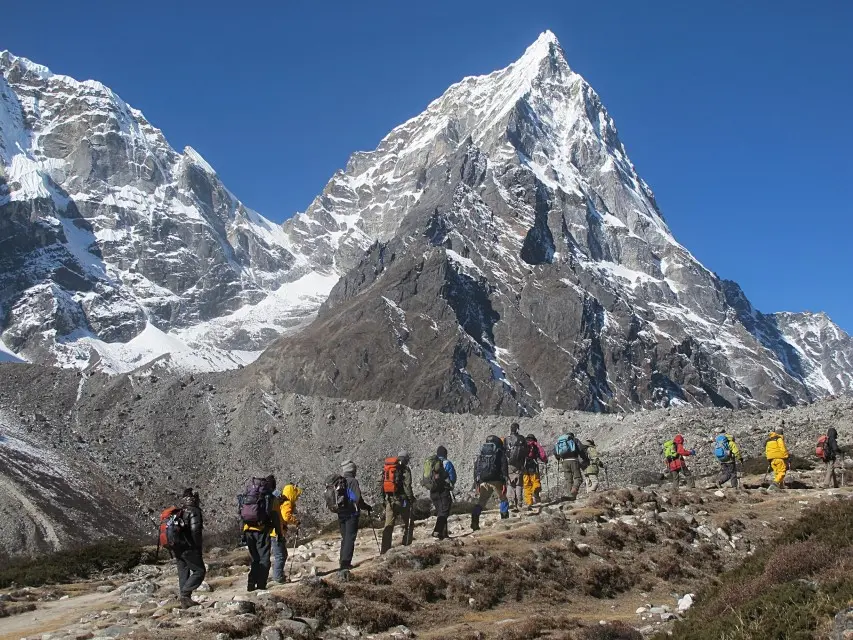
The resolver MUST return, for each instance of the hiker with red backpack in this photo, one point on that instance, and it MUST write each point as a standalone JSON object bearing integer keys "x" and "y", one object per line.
{"x": 182, "y": 533}
{"x": 516, "y": 453}
{"x": 257, "y": 511}
{"x": 439, "y": 478}
{"x": 395, "y": 486}
{"x": 490, "y": 476}
{"x": 675, "y": 454}
{"x": 573, "y": 459}
{"x": 532, "y": 479}
{"x": 343, "y": 497}
{"x": 828, "y": 451}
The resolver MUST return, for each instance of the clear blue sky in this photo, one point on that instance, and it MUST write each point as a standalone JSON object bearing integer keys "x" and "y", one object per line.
{"x": 738, "y": 114}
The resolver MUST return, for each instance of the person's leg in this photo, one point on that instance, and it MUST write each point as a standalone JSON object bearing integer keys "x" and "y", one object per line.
{"x": 443, "y": 504}
{"x": 575, "y": 469}
{"x": 349, "y": 531}
{"x": 196, "y": 569}
{"x": 829, "y": 476}
{"x": 779, "y": 470}
{"x": 484, "y": 493}
{"x": 408, "y": 524}
{"x": 279, "y": 551}
{"x": 593, "y": 482}
{"x": 264, "y": 552}
{"x": 675, "y": 475}
{"x": 254, "y": 566}
{"x": 392, "y": 510}
{"x": 183, "y": 571}
{"x": 503, "y": 503}
{"x": 691, "y": 479}
{"x": 565, "y": 472}
{"x": 537, "y": 487}
{"x": 726, "y": 469}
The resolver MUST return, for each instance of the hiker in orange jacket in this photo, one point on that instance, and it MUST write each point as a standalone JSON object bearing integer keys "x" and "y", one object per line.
{"x": 283, "y": 508}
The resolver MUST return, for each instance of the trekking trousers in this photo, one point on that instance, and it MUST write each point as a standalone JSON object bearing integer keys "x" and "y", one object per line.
{"x": 279, "y": 557}
{"x": 515, "y": 490}
{"x": 442, "y": 501}
{"x": 191, "y": 570}
{"x": 572, "y": 476}
{"x": 829, "y": 479}
{"x": 485, "y": 492}
{"x": 676, "y": 477}
{"x": 592, "y": 482}
{"x": 728, "y": 471}
{"x": 532, "y": 487}
{"x": 397, "y": 508}
{"x": 780, "y": 470}
{"x": 349, "y": 530}
{"x": 260, "y": 545}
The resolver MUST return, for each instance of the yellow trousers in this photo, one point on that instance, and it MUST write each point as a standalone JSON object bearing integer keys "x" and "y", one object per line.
{"x": 532, "y": 487}
{"x": 779, "y": 470}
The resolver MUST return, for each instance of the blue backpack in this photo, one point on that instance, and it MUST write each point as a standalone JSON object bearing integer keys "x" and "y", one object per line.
{"x": 721, "y": 447}
{"x": 566, "y": 445}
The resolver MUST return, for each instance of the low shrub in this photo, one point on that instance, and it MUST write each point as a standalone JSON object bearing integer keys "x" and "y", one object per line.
{"x": 111, "y": 556}
{"x": 604, "y": 580}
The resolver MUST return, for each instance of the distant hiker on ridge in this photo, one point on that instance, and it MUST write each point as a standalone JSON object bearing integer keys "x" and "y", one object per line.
{"x": 674, "y": 453}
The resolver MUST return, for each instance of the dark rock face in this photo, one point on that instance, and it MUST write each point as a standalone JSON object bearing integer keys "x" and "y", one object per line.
{"x": 533, "y": 270}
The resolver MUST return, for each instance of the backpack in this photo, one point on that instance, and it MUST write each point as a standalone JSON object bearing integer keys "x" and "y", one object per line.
{"x": 335, "y": 493}
{"x": 489, "y": 463}
{"x": 516, "y": 447}
{"x": 566, "y": 445}
{"x": 392, "y": 477}
{"x": 171, "y": 527}
{"x": 434, "y": 474}
{"x": 670, "y": 452}
{"x": 721, "y": 448}
{"x": 822, "y": 448}
{"x": 254, "y": 503}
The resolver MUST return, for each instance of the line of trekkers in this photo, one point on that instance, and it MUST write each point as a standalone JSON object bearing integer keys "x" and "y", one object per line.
{"x": 508, "y": 468}
{"x": 728, "y": 454}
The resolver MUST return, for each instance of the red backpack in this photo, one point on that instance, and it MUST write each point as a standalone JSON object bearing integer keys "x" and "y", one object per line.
{"x": 171, "y": 527}
{"x": 822, "y": 448}
{"x": 392, "y": 477}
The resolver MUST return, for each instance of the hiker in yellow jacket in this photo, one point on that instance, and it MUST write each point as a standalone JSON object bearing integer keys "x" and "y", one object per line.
{"x": 283, "y": 508}
{"x": 777, "y": 454}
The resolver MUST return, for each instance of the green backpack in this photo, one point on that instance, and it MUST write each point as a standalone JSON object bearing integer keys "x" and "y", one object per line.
{"x": 434, "y": 474}
{"x": 670, "y": 452}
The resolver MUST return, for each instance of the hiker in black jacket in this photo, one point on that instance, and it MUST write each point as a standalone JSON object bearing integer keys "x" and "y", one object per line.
{"x": 189, "y": 548}
{"x": 833, "y": 452}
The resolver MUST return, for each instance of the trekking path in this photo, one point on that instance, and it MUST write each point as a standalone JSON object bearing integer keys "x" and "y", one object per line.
{"x": 615, "y": 557}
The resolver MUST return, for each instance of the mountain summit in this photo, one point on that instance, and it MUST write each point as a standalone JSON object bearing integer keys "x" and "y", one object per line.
{"x": 517, "y": 261}
{"x": 496, "y": 253}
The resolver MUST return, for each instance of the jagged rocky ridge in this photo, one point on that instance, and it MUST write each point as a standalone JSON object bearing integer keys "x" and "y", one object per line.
{"x": 115, "y": 248}
{"x": 522, "y": 263}
{"x": 497, "y": 253}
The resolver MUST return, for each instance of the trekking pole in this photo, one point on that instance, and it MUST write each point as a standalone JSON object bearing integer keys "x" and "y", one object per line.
{"x": 547, "y": 484}
{"x": 295, "y": 544}
{"x": 606, "y": 477}
{"x": 375, "y": 537}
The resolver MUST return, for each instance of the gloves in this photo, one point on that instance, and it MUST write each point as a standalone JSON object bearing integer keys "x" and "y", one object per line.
{"x": 693, "y": 452}
{"x": 405, "y": 503}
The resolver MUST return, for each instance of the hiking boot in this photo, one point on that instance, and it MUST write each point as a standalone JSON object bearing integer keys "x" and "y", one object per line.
{"x": 504, "y": 515}
{"x": 436, "y": 535}
{"x": 343, "y": 575}
{"x": 187, "y": 602}
{"x": 475, "y": 522}
{"x": 251, "y": 587}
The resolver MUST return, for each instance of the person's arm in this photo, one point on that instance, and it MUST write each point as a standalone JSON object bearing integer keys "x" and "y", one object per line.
{"x": 407, "y": 485}
{"x": 196, "y": 528}
{"x": 505, "y": 468}
{"x": 542, "y": 456}
{"x": 584, "y": 454}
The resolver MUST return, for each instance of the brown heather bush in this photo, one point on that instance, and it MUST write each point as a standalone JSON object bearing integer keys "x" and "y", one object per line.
{"x": 605, "y": 580}
{"x": 611, "y": 631}
{"x": 789, "y": 589}
{"x": 536, "y": 626}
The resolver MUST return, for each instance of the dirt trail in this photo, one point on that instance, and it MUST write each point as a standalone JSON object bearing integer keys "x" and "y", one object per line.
{"x": 52, "y": 616}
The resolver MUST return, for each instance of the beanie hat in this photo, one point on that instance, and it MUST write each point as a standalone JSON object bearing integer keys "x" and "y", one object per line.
{"x": 403, "y": 455}
{"x": 441, "y": 452}
{"x": 188, "y": 493}
{"x": 348, "y": 466}
{"x": 514, "y": 427}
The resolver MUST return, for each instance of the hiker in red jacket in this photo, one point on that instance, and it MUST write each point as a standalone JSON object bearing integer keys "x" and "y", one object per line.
{"x": 678, "y": 466}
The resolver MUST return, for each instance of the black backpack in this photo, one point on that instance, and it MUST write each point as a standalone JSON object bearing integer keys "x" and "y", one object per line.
{"x": 335, "y": 493}
{"x": 516, "y": 447}
{"x": 489, "y": 467}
